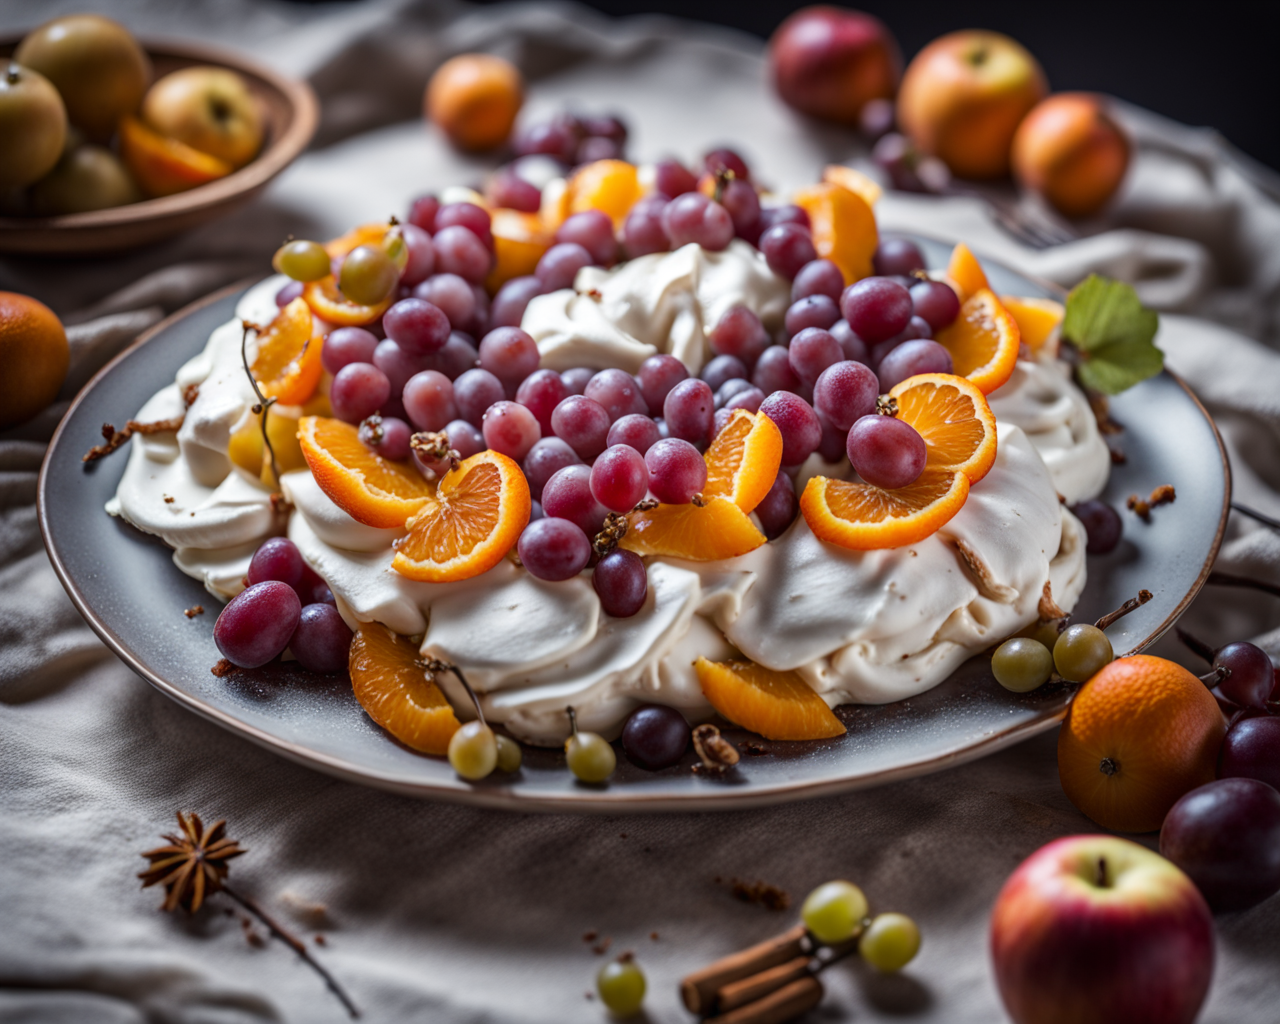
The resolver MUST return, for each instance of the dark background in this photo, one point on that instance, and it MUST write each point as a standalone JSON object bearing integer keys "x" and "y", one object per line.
{"x": 1215, "y": 63}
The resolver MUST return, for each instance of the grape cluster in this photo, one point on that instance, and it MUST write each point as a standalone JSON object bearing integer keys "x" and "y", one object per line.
{"x": 572, "y": 139}
{"x": 836, "y": 912}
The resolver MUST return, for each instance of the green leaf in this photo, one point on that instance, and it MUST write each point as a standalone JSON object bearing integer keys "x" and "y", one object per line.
{"x": 1113, "y": 331}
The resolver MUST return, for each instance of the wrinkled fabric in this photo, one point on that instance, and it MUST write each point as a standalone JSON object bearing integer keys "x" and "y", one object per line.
{"x": 451, "y": 914}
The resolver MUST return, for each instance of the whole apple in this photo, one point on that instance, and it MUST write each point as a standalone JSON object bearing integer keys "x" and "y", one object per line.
{"x": 1072, "y": 152}
{"x": 963, "y": 97}
{"x": 209, "y": 109}
{"x": 830, "y": 61}
{"x": 1101, "y": 930}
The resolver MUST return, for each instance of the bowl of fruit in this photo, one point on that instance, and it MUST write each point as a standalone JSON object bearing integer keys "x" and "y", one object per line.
{"x": 121, "y": 142}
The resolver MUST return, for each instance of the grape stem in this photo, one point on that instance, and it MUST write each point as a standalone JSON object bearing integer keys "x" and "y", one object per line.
{"x": 436, "y": 665}
{"x": 573, "y": 720}
{"x": 1111, "y": 618}
{"x": 1223, "y": 579}
{"x": 264, "y": 403}
{"x": 1212, "y": 679}
{"x": 1196, "y": 645}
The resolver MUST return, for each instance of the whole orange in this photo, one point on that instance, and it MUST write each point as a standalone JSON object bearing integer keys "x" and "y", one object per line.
{"x": 1139, "y": 734}
{"x": 1071, "y": 151}
{"x": 35, "y": 355}
{"x": 474, "y": 98}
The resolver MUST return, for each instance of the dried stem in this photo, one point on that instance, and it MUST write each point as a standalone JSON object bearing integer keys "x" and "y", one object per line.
{"x": 1212, "y": 679}
{"x": 298, "y": 946}
{"x": 264, "y": 403}
{"x": 435, "y": 665}
{"x": 1195, "y": 645}
{"x": 1134, "y": 602}
{"x": 1255, "y": 514}
{"x": 1223, "y": 579}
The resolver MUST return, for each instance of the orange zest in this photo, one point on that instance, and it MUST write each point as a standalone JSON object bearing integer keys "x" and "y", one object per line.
{"x": 1037, "y": 318}
{"x": 612, "y": 186}
{"x": 718, "y": 529}
{"x": 743, "y": 460}
{"x": 959, "y": 432}
{"x": 844, "y": 228}
{"x": 965, "y": 272}
{"x": 519, "y": 240}
{"x": 777, "y": 705}
{"x": 164, "y": 166}
{"x": 983, "y": 341}
{"x": 396, "y": 693}
{"x": 372, "y": 490}
{"x": 287, "y": 364}
{"x": 331, "y": 306}
{"x": 468, "y": 526}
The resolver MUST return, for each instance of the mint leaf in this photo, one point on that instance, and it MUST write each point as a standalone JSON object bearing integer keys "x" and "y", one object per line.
{"x": 1113, "y": 332}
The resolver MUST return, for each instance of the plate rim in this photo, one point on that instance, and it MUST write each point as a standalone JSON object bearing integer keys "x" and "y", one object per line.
{"x": 579, "y": 799}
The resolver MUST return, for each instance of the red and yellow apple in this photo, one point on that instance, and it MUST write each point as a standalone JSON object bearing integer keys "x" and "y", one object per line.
{"x": 963, "y": 97}
{"x": 1072, "y": 152}
{"x": 829, "y": 61}
{"x": 209, "y": 109}
{"x": 1098, "y": 929}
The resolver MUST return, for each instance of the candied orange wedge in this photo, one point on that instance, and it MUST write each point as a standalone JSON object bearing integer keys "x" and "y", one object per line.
{"x": 965, "y": 272}
{"x": 519, "y": 240}
{"x": 397, "y": 692}
{"x": 777, "y": 705}
{"x": 612, "y": 186}
{"x": 743, "y": 460}
{"x": 164, "y": 166}
{"x": 287, "y": 364}
{"x": 1037, "y": 317}
{"x": 475, "y": 517}
{"x": 844, "y": 228}
{"x": 372, "y": 490}
{"x": 854, "y": 180}
{"x": 718, "y": 529}
{"x": 331, "y": 306}
{"x": 959, "y": 431}
{"x": 983, "y": 341}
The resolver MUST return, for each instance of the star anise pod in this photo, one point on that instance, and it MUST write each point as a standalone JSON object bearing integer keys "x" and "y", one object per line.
{"x": 193, "y": 865}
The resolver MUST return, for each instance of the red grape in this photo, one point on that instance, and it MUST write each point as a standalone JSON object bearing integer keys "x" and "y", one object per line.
{"x": 719, "y": 160}
{"x": 605, "y": 126}
{"x": 422, "y": 213}
{"x": 575, "y": 379}
{"x": 540, "y": 393}
{"x": 428, "y": 399}
{"x": 560, "y": 264}
{"x": 357, "y": 391}
{"x": 818, "y": 277}
{"x": 594, "y": 148}
{"x": 619, "y": 478}
{"x": 812, "y": 350}
{"x": 554, "y": 549}
{"x": 583, "y": 423}
{"x": 618, "y": 392}
{"x": 845, "y": 392}
{"x": 397, "y": 364}
{"x": 731, "y": 387}
{"x": 1102, "y": 525}
{"x": 621, "y": 582}
{"x": 567, "y": 495}
{"x": 468, "y": 215}
{"x": 456, "y": 358}
{"x": 722, "y": 369}
{"x": 510, "y": 354}
{"x": 636, "y": 430}
{"x": 277, "y": 558}
{"x": 740, "y": 199}
{"x": 256, "y": 625}
{"x": 749, "y": 399}
{"x": 642, "y": 231}
{"x": 778, "y": 509}
{"x": 676, "y": 470}
{"x": 459, "y": 251}
{"x": 546, "y": 458}
{"x": 886, "y": 451}
{"x": 510, "y": 429}
{"x": 291, "y": 291}
{"x": 513, "y": 299}
{"x": 694, "y": 218}
{"x": 657, "y": 376}
{"x": 311, "y": 589}
{"x": 798, "y": 424}
{"x": 853, "y": 346}
{"x": 473, "y": 393}
{"x": 422, "y": 255}
{"x": 655, "y": 736}
{"x": 347, "y": 345}
{"x": 787, "y": 214}
{"x": 417, "y": 326}
{"x": 911, "y": 358}
{"x": 689, "y": 410}
{"x": 897, "y": 256}
{"x": 935, "y": 302}
{"x": 787, "y": 248}
{"x": 773, "y": 372}
{"x": 554, "y": 139}
{"x": 390, "y": 439}
{"x": 740, "y": 333}
{"x": 593, "y": 230}
{"x": 1251, "y": 677}
{"x": 876, "y": 308}
{"x": 1251, "y": 750}
{"x": 832, "y": 445}
{"x": 453, "y": 296}
{"x": 465, "y": 438}
{"x": 672, "y": 178}
{"x": 814, "y": 311}
{"x": 508, "y": 190}
{"x": 321, "y": 641}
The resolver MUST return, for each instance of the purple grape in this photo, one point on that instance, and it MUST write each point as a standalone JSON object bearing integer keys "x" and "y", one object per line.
{"x": 749, "y": 399}
{"x": 474, "y": 218}
{"x": 818, "y": 277}
{"x": 721, "y": 420}
{"x": 584, "y": 424}
{"x": 640, "y": 432}
{"x": 567, "y": 495}
{"x": 345, "y": 346}
{"x": 508, "y": 190}
{"x": 832, "y": 445}
{"x": 594, "y": 148}
{"x": 459, "y": 251}
{"x": 655, "y": 736}
{"x": 358, "y": 390}
{"x": 423, "y": 211}
{"x": 389, "y": 436}
{"x": 457, "y": 357}
{"x": 798, "y": 424}
{"x": 721, "y": 160}
{"x": 854, "y": 347}
{"x": 1251, "y": 677}
{"x": 773, "y": 372}
{"x": 917, "y": 327}
{"x": 778, "y": 509}
{"x": 560, "y": 264}
{"x": 621, "y": 582}
{"x": 642, "y": 231}
{"x": 510, "y": 429}
{"x": 897, "y": 257}
{"x": 422, "y": 255}
{"x": 554, "y": 549}
{"x": 882, "y": 349}
{"x": 473, "y": 393}
{"x": 619, "y": 478}
{"x": 618, "y": 392}
{"x": 911, "y": 358}
{"x": 731, "y": 387}
{"x": 887, "y": 452}
{"x": 417, "y": 326}
{"x": 465, "y": 438}
{"x": 689, "y": 410}
{"x": 722, "y": 369}
{"x": 535, "y": 511}
{"x": 676, "y": 470}
{"x": 291, "y": 291}
{"x": 593, "y": 230}
{"x": 815, "y": 311}
{"x": 845, "y": 392}
{"x": 771, "y": 216}
{"x": 606, "y": 127}
{"x": 277, "y": 558}
{"x": 397, "y": 364}
{"x": 812, "y": 351}
{"x": 452, "y": 296}
{"x": 256, "y": 625}
{"x": 575, "y": 379}
{"x": 540, "y": 393}
{"x": 513, "y": 299}
{"x": 787, "y": 248}
{"x": 876, "y": 308}
{"x": 553, "y": 139}
{"x": 311, "y": 589}
{"x": 740, "y": 199}
{"x": 1251, "y": 750}
{"x": 428, "y": 400}
{"x": 321, "y": 641}
{"x": 509, "y": 354}
{"x": 672, "y": 178}
{"x": 936, "y": 303}
{"x": 695, "y": 218}
{"x": 1226, "y": 837}
{"x": 657, "y": 376}
{"x": 739, "y": 333}
{"x": 1102, "y": 525}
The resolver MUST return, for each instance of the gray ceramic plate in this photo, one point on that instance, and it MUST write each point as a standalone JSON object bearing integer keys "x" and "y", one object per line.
{"x": 126, "y": 586}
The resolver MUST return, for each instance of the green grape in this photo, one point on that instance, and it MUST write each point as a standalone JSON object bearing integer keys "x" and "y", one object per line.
{"x": 396, "y": 248}
{"x": 473, "y": 751}
{"x": 890, "y": 942}
{"x": 368, "y": 274}
{"x": 509, "y": 755}
{"x": 1046, "y": 633}
{"x": 833, "y": 911}
{"x": 1081, "y": 652}
{"x": 590, "y": 757}
{"x": 621, "y": 987}
{"x": 1022, "y": 664}
{"x": 302, "y": 261}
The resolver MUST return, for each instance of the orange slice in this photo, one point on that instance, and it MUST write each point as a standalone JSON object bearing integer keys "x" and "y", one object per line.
{"x": 1037, "y": 318}
{"x": 959, "y": 432}
{"x": 372, "y": 490}
{"x": 474, "y": 519}
{"x": 854, "y": 180}
{"x": 965, "y": 272}
{"x": 287, "y": 365}
{"x": 331, "y": 306}
{"x": 519, "y": 240}
{"x": 396, "y": 691}
{"x": 164, "y": 166}
{"x": 612, "y": 186}
{"x": 983, "y": 341}
{"x": 743, "y": 460}
{"x": 777, "y": 705}
{"x": 844, "y": 228}
{"x": 719, "y": 529}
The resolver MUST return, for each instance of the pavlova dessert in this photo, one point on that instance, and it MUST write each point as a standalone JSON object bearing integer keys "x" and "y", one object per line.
{"x": 613, "y": 454}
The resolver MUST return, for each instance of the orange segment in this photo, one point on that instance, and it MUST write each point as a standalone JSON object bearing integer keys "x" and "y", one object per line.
{"x": 287, "y": 365}
{"x": 952, "y": 415}
{"x": 1037, "y": 318}
{"x": 396, "y": 691}
{"x": 854, "y": 180}
{"x": 372, "y": 490}
{"x": 365, "y": 234}
{"x": 519, "y": 240}
{"x": 609, "y": 185}
{"x": 164, "y": 166}
{"x": 743, "y": 460}
{"x": 331, "y": 306}
{"x": 720, "y": 529}
{"x": 777, "y": 705}
{"x": 844, "y": 228}
{"x": 473, "y": 520}
{"x": 965, "y": 272}
{"x": 983, "y": 341}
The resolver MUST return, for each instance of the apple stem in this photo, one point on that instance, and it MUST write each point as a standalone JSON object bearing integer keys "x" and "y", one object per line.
{"x": 1108, "y": 766}
{"x": 1102, "y": 873}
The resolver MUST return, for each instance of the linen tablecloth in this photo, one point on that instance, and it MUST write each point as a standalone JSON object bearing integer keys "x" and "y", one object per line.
{"x": 442, "y": 913}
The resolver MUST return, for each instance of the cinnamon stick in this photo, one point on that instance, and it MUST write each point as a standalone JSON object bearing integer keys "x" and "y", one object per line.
{"x": 748, "y": 990}
{"x": 698, "y": 990}
{"x": 782, "y": 1005}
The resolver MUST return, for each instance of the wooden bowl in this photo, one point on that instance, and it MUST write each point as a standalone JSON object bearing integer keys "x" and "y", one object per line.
{"x": 290, "y": 112}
